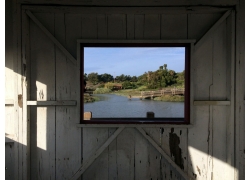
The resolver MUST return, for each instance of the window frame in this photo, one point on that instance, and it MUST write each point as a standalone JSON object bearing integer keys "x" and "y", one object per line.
{"x": 188, "y": 44}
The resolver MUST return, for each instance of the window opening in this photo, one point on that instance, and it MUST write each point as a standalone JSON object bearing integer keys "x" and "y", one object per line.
{"x": 135, "y": 83}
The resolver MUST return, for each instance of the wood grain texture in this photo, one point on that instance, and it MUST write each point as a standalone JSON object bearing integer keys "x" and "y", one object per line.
{"x": 42, "y": 88}
{"x": 92, "y": 140}
{"x": 136, "y": 3}
{"x": 200, "y": 136}
{"x": 117, "y": 26}
{"x": 68, "y": 137}
{"x": 130, "y": 156}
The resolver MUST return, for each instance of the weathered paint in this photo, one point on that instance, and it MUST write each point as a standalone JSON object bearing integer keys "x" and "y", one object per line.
{"x": 175, "y": 150}
{"x": 200, "y": 151}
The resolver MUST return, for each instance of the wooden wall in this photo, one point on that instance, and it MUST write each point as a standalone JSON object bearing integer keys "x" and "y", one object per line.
{"x": 56, "y": 146}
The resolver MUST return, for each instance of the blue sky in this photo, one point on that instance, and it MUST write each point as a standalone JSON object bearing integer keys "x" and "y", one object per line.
{"x": 132, "y": 61}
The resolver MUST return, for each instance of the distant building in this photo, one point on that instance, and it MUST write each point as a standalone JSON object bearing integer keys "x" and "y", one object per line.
{"x": 117, "y": 87}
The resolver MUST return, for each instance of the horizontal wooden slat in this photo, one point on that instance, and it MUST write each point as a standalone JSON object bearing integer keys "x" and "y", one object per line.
{"x": 212, "y": 103}
{"x": 124, "y": 10}
{"x": 135, "y": 125}
{"x": 9, "y": 102}
{"x": 137, "y": 41}
{"x": 51, "y": 103}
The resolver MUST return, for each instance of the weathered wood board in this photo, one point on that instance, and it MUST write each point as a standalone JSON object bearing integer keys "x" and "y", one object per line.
{"x": 59, "y": 147}
{"x": 42, "y": 88}
{"x": 68, "y": 136}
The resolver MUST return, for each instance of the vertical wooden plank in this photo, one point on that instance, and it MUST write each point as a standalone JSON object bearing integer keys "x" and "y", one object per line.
{"x": 139, "y": 26}
{"x": 130, "y": 26}
{"x": 68, "y": 136}
{"x": 125, "y": 154}
{"x": 11, "y": 154}
{"x": 25, "y": 94}
{"x": 9, "y": 49}
{"x": 112, "y": 157}
{"x": 231, "y": 91}
{"x": 117, "y": 26}
{"x": 168, "y": 172}
{"x": 147, "y": 158}
{"x": 220, "y": 114}
{"x": 174, "y": 26}
{"x": 141, "y": 157}
{"x": 183, "y": 134}
{"x": 152, "y": 28}
{"x": 199, "y": 137}
{"x": 92, "y": 139}
{"x": 154, "y": 157}
{"x": 17, "y": 68}
{"x": 240, "y": 91}
{"x": 177, "y": 149}
{"x": 42, "y": 88}
{"x": 89, "y": 26}
{"x": 9, "y": 161}
{"x": 94, "y": 26}
{"x": 102, "y": 26}
{"x": 73, "y": 31}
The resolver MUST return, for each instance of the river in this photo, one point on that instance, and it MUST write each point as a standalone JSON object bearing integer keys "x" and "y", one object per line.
{"x": 114, "y": 106}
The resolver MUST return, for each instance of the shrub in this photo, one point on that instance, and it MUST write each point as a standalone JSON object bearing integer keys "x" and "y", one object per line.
{"x": 101, "y": 91}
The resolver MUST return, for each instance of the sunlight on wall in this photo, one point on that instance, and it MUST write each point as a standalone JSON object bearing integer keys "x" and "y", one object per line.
{"x": 209, "y": 167}
{"x": 41, "y": 116}
{"x": 9, "y": 83}
{"x": 10, "y": 121}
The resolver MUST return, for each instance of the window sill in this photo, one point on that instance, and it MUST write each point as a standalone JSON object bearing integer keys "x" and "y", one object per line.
{"x": 136, "y": 124}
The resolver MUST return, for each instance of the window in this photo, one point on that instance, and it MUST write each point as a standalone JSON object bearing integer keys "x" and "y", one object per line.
{"x": 135, "y": 82}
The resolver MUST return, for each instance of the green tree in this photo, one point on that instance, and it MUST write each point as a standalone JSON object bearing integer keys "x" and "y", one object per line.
{"x": 85, "y": 76}
{"x": 93, "y": 77}
{"x": 134, "y": 79}
{"x": 105, "y": 78}
{"x": 165, "y": 66}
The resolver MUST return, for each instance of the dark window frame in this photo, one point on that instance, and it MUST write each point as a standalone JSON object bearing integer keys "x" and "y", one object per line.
{"x": 187, "y": 105}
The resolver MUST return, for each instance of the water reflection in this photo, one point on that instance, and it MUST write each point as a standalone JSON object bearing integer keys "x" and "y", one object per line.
{"x": 113, "y": 106}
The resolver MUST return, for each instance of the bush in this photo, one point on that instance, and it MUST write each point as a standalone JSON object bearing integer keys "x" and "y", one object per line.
{"x": 142, "y": 88}
{"x": 101, "y": 86}
{"x": 170, "y": 98}
{"x": 101, "y": 91}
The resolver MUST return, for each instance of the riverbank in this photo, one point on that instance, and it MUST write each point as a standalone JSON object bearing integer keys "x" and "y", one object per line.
{"x": 127, "y": 92}
{"x": 170, "y": 98}
{"x": 130, "y": 92}
{"x": 88, "y": 98}
{"x": 134, "y": 92}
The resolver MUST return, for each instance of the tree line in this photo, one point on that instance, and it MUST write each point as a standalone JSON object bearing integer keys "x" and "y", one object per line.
{"x": 160, "y": 78}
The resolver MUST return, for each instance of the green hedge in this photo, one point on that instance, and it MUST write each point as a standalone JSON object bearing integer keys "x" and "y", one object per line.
{"x": 101, "y": 91}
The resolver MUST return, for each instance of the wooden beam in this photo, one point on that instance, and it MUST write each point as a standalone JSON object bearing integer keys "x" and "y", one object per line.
{"x": 136, "y": 125}
{"x": 51, "y": 103}
{"x": 211, "y": 30}
{"x": 131, "y": 41}
{"x": 212, "y": 103}
{"x": 9, "y": 138}
{"x": 95, "y": 155}
{"x": 125, "y": 10}
{"x": 9, "y": 102}
{"x": 59, "y": 45}
{"x": 161, "y": 151}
